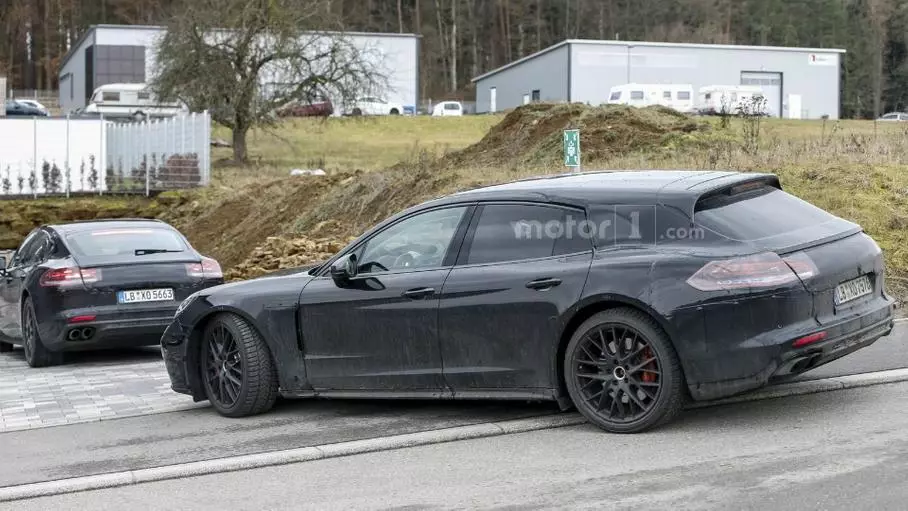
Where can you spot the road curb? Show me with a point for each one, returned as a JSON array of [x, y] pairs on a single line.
[[484, 430]]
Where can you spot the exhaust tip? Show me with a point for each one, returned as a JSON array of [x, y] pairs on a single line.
[[74, 335], [87, 333]]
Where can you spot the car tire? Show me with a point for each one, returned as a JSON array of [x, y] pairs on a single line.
[[238, 373], [5, 347], [624, 386], [357, 112], [36, 354], [395, 111], [139, 116]]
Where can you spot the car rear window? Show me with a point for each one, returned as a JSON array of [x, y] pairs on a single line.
[[125, 241], [758, 213]]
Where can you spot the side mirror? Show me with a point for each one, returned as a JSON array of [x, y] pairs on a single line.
[[344, 268]]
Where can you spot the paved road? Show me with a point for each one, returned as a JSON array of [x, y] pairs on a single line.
[[198, 434], [843, 450]]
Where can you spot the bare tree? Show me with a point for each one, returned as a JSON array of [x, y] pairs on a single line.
[[243, 59]]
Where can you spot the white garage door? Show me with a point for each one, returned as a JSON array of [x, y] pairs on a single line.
[[772, 88]]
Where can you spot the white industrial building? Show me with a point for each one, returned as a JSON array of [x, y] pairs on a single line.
[[126, 54], [796, 82]]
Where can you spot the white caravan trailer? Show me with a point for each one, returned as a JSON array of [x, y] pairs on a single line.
[[714, 99], [677, 96], [132, 100]]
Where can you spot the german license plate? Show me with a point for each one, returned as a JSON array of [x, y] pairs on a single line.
[[145, 295], [853, 289]]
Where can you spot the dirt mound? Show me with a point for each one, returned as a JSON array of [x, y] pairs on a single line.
[[531, 135], [231, 226], [279, 253]]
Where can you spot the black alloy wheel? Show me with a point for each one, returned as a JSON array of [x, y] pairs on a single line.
[[237, 371], [36, 354], [622, 372]]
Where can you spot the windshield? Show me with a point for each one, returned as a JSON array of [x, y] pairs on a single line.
[[136, 241]]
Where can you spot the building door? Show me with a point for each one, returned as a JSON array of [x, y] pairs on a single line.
[[493, 100], [771, 83]]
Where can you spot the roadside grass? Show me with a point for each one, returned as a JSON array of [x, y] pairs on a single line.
[[355, 143]]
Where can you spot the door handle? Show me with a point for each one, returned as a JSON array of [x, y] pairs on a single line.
[[541, 284], [419, 292]]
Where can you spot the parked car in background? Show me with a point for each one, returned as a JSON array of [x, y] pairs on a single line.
[[557, 288], [34, 104], [374, 106], [130, 100], [320, 107], [894, 116], [97, 284], [448, 108], [16, 108]]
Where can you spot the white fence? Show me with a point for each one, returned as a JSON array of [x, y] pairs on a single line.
[[63, 156], [156, 155]]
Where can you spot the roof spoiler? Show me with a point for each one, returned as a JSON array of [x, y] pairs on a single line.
[[726, 189]]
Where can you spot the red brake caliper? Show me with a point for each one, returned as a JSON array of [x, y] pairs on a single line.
[[647, 376]]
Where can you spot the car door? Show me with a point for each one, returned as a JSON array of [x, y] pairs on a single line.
[[24, 260], [379, 330], [521, 267]]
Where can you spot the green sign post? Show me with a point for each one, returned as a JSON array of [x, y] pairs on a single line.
[[571, 142]]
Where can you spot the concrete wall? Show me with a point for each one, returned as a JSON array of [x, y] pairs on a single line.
[[596, 67], [546, 72]]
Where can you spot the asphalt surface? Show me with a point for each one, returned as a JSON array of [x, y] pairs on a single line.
[[841, 450], [193, 435]]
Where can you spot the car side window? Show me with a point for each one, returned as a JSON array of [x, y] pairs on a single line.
[[418, 242], [512, 232], [31, 249]]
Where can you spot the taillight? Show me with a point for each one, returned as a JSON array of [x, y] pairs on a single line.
[[207, 269], [764, 270], [802, 265], [72, 276]]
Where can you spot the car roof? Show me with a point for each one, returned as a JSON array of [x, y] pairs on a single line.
[[611, 187], [119, 223]]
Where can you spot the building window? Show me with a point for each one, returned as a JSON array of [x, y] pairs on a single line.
[[667, 94], [143, 95], [119, 64], [636, 94], [685, 95], [535, 95], [110, 96]]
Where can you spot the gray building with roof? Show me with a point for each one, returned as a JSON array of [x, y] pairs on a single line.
[[583, 71]]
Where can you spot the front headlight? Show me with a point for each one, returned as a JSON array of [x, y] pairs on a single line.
[[185, 303]]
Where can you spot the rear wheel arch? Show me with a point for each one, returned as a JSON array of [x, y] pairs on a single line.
[[588, 309]]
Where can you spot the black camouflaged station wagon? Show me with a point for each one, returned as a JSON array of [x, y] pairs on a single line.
[[620, 293]]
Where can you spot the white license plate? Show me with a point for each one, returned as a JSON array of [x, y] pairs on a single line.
[[145, 295], [853, 289]]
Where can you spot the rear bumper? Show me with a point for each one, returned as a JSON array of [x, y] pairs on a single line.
[[775, 359], [116, 329]]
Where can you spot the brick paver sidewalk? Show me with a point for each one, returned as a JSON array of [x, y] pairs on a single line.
[[94, 386]]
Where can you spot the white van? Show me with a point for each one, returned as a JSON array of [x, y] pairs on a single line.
[[132, 100], [447, 108], [677, 96], [714, 99]]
